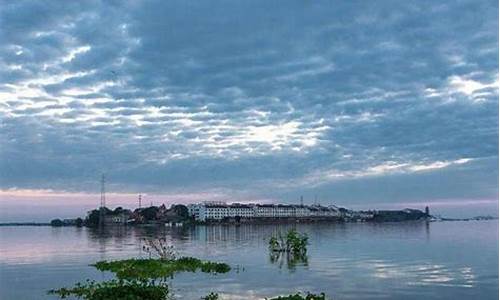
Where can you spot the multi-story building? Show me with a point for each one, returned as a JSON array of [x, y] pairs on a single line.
[[264, 211], [241, 210], [302, 211], [194, 210], [208, 211], [218, 211]]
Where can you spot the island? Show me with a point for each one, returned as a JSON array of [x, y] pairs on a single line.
[[238, 213]]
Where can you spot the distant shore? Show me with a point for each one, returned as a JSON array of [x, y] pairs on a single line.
[[24, 224], [263, 222]]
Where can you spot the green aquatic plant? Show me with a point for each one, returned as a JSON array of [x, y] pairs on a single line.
[[289, 259], [290, 248], [277, 243], [159, 268], [296, 242], [299, 296], [116, 290], [211, 296], [139, 279], [293, 242]]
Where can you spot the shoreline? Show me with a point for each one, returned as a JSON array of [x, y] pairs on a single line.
[[24, 224], [260, 222]]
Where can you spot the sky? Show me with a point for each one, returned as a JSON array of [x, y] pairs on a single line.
[[363, 104]]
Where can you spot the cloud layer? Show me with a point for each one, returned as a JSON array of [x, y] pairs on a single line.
[[259, 100]]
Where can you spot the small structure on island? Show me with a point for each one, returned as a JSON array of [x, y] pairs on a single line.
[[119, 216]]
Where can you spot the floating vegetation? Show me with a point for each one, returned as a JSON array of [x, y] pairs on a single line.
[[116, 290], [137, 278], [146, 279], [293, 242], [159, 268], [299, 296], [141, 279], [211, 296]]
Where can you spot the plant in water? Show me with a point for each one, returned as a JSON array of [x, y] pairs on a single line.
[[299, 296], [211, 296], [141, 279], [158, 268], [277, 243], [293, 242], [291, 260], [296, 242], [160, 247], [291, 248], [116, 290]]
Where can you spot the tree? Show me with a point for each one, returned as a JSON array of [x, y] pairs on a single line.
[[92, 219], [181, 210], [56, 223], [149, 213]]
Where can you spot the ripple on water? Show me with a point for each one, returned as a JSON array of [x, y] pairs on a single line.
[[347, 262]]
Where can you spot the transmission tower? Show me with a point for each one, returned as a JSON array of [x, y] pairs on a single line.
[[102, 210], [103, 191]]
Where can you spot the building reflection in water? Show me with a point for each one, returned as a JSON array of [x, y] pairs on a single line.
[[120, 237]]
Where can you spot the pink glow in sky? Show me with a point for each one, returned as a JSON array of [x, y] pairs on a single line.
[[42, 197]]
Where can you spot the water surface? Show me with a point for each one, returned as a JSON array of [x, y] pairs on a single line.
[[448, 260]]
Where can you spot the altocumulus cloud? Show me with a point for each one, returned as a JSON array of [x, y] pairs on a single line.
[[356, 101]]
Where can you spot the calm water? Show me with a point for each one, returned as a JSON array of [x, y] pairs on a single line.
[[449, 260]]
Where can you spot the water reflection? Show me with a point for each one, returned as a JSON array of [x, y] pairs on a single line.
[[422, 273], [452, 260], [113, 237], [290, 260]]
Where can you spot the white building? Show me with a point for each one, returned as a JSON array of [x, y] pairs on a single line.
[[264, 211], [218, 211], [302, 211], [241, 210]]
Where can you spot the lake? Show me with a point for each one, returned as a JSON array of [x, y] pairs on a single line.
[[440, 260]]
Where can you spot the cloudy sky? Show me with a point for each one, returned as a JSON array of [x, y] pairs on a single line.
[[358, 103]]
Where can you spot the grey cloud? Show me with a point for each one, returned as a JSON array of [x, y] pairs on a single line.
[[240, 95]]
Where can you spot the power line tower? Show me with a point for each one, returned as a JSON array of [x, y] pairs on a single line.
[[140, 200], [102, 208], [103, 191]]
